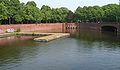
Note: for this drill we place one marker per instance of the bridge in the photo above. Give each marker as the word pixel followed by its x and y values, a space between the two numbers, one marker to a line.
pixel 103 26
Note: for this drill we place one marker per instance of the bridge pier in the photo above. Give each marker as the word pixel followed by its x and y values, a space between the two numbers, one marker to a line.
pixel 93 26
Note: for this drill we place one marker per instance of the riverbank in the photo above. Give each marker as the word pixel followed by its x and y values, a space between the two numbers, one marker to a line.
pixel 42 37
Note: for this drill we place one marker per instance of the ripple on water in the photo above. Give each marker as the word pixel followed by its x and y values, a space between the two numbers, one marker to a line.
pixel 77 53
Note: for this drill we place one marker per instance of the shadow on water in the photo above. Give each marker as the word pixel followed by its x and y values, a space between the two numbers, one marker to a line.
pixel 95 36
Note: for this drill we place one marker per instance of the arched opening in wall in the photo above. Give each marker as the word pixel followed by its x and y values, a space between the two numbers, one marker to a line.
pixel 109 29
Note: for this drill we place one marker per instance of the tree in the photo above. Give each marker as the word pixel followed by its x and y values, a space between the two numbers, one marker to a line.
pixel 31 3
pixel 14 14
pixel 70 16
pixel 110 12
pixel 32 13
pixel 3 12
pixel 95 14
pixel 6 2
pixel 117 14
pixel 59 14
pixel 81 14
pixel 64 13
pixel 12 11
pixel 47 13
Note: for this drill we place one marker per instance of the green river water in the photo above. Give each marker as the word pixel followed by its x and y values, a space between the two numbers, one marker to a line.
pixel 81 51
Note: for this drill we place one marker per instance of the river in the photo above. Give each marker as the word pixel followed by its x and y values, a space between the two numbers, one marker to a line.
pixel 82 51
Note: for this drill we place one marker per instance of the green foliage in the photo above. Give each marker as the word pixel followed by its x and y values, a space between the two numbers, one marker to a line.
pixel 69 17
pixel 59 14
pixel 32 13
pixel 112 12
pixel 13 12
pixel 46 12
pixel 31 3
pixel 107 13
pixel 3 12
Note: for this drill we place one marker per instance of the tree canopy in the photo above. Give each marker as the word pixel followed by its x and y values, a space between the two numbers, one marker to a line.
pixel 13 12
pixel 107 13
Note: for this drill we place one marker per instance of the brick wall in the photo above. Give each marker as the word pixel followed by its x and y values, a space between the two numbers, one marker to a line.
pixel 51 27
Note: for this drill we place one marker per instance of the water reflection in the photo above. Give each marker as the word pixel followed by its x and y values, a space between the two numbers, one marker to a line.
pixel 93 36
pixel 15 49
pixel 84 50
pixel 100 39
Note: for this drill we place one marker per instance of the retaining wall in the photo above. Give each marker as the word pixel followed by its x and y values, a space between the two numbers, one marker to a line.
pixel 51 27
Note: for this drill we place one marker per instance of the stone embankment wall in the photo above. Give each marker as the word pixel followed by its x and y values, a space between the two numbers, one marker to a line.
pixel 51 27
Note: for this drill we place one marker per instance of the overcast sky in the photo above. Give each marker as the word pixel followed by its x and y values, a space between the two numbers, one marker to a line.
pixel 71 4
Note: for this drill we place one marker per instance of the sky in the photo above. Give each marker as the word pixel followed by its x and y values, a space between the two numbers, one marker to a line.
pixel 71 4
